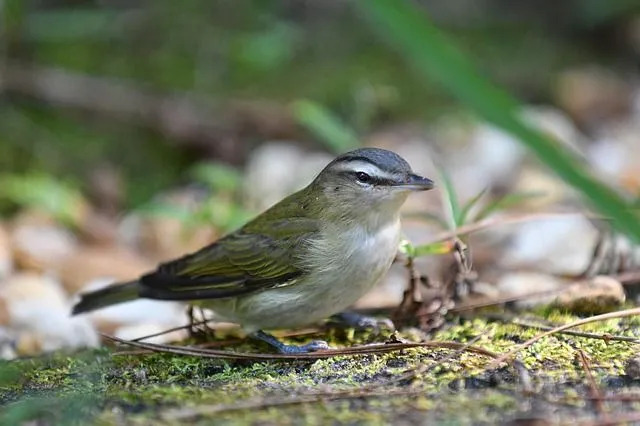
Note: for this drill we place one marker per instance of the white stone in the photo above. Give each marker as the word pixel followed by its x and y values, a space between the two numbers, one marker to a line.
pixel 277 169
pixel 524 283
pixel 42 245
pixel 560 245
pixel 7 344
pixel 597 295
pixel 37 306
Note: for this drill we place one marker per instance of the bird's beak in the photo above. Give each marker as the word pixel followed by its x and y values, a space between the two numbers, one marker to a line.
pixel 415 183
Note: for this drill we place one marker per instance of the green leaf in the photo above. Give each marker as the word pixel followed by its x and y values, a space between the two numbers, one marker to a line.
pixel 406 248
pixel 464 214
pixel 325 126
pixel 42 191
pixel 409 31
pixel 505 202
pixel 441 247
pixel 450 200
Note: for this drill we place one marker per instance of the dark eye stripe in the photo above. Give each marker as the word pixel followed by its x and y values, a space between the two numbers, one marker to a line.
pixel 373 180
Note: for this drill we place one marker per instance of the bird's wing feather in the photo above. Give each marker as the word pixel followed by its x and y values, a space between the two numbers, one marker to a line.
pixel 255 258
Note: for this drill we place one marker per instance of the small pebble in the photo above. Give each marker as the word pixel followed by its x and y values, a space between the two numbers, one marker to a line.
pixel 598 295
pixel 38 315
pixel 632 368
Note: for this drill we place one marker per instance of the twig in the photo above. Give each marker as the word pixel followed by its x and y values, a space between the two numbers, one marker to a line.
pixel 422 369
pixel 170 330
pixel 354 350
pixel 506 220
pixel 605 337
pixel 525 377
pixel 216 343
pixel 411 298
pixel 603 317
pixel 593 387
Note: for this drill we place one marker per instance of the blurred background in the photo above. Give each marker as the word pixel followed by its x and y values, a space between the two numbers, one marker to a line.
pixel 132 132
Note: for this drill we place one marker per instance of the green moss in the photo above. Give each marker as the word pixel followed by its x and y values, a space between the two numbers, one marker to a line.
pixel 138 387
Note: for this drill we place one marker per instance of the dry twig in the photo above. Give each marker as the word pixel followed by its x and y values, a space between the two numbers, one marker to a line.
pixel 351 351
pixel 593 387
pixel 605 337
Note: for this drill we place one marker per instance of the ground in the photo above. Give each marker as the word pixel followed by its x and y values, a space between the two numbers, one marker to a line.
pixel 104 386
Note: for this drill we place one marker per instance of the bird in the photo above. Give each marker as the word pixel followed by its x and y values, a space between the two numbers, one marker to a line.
pixel 305 259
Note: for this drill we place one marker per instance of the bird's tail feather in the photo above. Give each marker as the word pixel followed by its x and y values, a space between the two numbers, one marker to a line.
pixel 110 295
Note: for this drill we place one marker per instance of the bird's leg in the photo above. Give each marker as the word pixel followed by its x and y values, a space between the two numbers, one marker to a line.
pixel 316 345
pixel 198 327
pixel 355 320
pixel 208 331
pixel 192 320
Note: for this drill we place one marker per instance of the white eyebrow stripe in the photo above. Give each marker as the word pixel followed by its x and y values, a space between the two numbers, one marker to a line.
pixel 363 166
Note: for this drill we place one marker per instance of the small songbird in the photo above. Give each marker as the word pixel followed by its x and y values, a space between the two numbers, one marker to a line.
pixel 307 258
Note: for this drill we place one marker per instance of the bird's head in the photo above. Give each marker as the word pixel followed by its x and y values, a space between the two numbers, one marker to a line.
pixel 368 183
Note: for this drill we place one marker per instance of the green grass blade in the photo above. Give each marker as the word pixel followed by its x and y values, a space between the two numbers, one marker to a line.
pixel 441 247
pixel 431 217
pixel 325 126
pixel 450 199
pixel 466 209
pixel 505 202
pixel 407 29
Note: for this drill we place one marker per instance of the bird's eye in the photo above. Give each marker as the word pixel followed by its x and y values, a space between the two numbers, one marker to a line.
pixel 363 177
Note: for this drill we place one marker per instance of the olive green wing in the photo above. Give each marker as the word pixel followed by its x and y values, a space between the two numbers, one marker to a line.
pixel 243 262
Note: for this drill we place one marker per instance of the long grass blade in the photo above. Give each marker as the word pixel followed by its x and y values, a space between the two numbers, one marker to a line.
pixel 408 30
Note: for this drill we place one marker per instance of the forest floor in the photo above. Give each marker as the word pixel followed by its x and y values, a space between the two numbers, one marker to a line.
pixel 562 378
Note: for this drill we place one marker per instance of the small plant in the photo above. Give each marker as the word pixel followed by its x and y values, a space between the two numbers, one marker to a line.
pixel 457 215
pixel 220 207
pixel 411 33
pixel 43 192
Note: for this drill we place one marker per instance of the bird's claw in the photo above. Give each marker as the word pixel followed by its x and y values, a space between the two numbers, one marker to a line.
pixel 314 346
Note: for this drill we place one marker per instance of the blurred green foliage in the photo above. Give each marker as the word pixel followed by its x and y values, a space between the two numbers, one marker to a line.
pixel 457 214
pixel 220 206
pixel 436 58
pixel 40 191
pixel 260 50
pixel 477 208
pixel 325 126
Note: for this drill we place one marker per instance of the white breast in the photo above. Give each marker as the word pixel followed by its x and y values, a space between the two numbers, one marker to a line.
pixel 346 265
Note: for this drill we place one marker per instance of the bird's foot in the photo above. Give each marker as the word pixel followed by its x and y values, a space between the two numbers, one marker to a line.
pixel 352 319
pixel 283 348
pixel 314 346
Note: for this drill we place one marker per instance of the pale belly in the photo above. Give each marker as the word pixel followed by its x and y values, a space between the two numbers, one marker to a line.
pixel 352 270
